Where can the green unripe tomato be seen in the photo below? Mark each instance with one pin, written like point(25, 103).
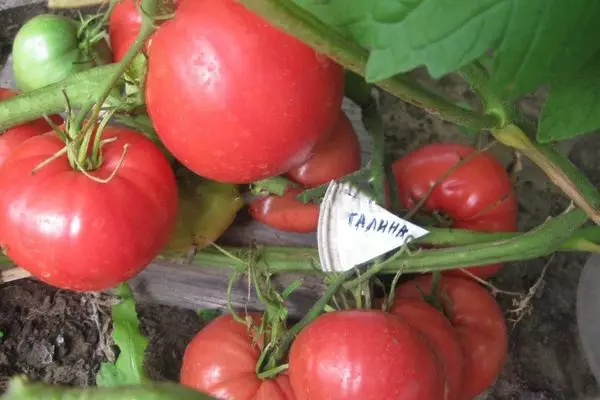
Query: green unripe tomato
point(49, 48)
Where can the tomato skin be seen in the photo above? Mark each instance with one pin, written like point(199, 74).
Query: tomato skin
point(479, 195)
point(335, 156)
point(367, 355)
point(221, 361)
point(125, 23)
point(244, 102)
point(206, 210)
point(12, 138)
point(46, 50)
point(478, 321)
point(75, 233)
point(440, 335)
point(286, 213)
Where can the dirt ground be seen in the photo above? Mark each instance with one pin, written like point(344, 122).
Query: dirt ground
point(59, 337)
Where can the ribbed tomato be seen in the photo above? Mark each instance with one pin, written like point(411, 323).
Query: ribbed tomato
point(479, 324)
point(478, 195)
point(221, 361)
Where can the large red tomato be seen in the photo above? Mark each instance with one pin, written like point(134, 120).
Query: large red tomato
point(366, 355)
point(235, 99)
point(478, 321)
point(80, 234)
point(221, 361)
point(478, 195)
point(336, 155)
point(12, 138)
point(441, 336)
point(125, 23)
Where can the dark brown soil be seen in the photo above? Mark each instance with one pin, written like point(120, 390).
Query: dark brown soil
point(58, 336)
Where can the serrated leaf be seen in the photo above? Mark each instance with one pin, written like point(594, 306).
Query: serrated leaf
point(573, 107)
point(443, 35)
point(543, 41)
point(129, 366)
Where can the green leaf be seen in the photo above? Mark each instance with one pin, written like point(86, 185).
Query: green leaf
point(543, 41)
point(129, 367)
point(208, 314)
point(573, 107)
point(443, 35)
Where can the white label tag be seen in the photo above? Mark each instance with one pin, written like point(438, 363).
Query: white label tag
point(353, 229)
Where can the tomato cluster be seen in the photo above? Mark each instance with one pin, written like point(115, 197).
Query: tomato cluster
point(236, 100)
point(414, 351)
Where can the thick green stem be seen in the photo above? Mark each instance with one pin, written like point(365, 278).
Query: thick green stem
point(374, 125)
point(18, 390)
point(147, 28)
point(299, 23)
point(79, 89)
point(563, 174)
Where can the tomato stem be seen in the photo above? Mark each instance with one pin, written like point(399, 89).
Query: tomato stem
point(274, 185)
point(306, 27)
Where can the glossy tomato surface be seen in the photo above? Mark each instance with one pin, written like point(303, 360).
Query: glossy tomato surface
point(76, 233)
point(235, 99)
point(48, 49)
point(478, 195)
point(479, 324)
point(336, 155)
point(125, 23)
point(12, 138)
point(221, 361)
point(367, 355)
point(441, 337)
point(286, 213)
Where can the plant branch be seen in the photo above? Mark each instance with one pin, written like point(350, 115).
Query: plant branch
point(19, 390)
point(79, 89)
point(306, 27)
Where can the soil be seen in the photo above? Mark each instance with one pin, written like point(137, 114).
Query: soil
point(60, 337)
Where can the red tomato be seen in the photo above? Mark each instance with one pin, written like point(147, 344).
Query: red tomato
point(221, 361)
point(441, 336)
point(235, 99)
point(12, 138)
point(478, 321)
point(76, 233)
point(125, 23)
point(366, 355)
point(337, 155)
point(478, 195)
point(286, 213)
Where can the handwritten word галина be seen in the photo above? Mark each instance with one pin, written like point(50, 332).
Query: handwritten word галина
point(372, 224)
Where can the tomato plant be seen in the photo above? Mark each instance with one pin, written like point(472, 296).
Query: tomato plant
point(479, 324)
point(77, 233)
point(12, 138)
point(206, 210)
point(334, 156)
point(238, 116)
point(363, 355)
point(221, 361)
point(477, 195)
point(50, 48)
point(441, 337)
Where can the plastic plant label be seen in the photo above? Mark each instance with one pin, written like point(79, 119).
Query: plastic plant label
point(353, 229)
